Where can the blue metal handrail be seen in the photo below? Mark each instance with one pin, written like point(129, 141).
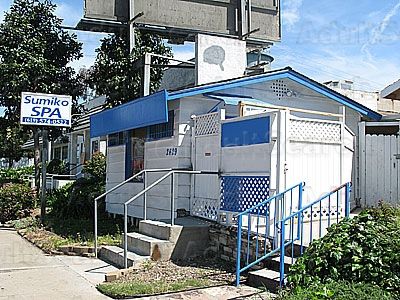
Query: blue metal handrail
point(279, 211)
point(299, 216)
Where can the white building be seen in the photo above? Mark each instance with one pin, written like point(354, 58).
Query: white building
point(272, 130)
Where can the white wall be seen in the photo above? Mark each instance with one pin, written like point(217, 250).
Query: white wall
point(156, 156)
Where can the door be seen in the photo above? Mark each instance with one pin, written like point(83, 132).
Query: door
point(381, 169)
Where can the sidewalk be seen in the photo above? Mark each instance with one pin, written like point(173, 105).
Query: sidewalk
point(27, 273)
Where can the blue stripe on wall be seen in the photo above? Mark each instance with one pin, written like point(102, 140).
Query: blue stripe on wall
point(246, 132)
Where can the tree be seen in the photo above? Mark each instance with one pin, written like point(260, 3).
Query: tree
point(12, 138)
point(114, 73)
point(35, 53)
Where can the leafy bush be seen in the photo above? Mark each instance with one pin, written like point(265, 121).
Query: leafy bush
point(16, 201)
point(363, 249)
point(96, 167)
point(338, 291)
point(76, 200)
point(57, 166)
point(15, 174)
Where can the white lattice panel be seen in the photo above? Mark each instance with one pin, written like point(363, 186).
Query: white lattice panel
point(207, 124)
point(314, 131)
point(205, 208)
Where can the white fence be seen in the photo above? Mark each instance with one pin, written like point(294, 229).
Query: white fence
point(379, 170)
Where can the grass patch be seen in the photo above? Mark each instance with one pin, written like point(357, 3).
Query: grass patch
point(69, 232)
point(137, 288)
point(167, 276)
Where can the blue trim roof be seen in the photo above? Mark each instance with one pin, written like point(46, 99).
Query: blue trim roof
point(274, 75)
point(153, 109)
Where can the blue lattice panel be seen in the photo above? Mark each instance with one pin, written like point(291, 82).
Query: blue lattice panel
point(239, 193)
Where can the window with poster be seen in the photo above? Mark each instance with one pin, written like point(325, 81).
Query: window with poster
point(135, 152)
point(95, 146)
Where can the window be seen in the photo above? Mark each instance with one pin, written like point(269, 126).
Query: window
point(57, 153)
point(116, 139)
point(95, 146)
point(161, 131)
point(135, 152)
point(137, 155)
point(64, 153)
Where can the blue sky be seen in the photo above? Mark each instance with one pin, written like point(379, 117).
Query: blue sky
point(325, 40)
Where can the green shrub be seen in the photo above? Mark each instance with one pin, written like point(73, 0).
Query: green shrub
point(76, 200)
point(57, 166)
point(96, 167)
point(15, 174)
point(363, 249)
point(338, 291)
point(16, 201)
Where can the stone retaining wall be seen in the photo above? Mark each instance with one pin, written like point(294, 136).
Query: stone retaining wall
point(223, 243)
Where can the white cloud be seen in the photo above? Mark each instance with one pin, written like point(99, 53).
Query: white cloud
point(325, 64)
point(291, 12)
point(183, 52)
point(378, 32)
point(70, 14)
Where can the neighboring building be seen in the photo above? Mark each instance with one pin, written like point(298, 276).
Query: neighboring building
point(390, 98)
point(346, 87)
point(81, 146)
point(386, 102)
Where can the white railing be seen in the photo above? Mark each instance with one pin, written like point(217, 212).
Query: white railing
point(143, 172)
point(171, 173)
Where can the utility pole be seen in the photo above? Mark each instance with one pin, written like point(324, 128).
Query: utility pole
point(45, 149)
point(36, 143)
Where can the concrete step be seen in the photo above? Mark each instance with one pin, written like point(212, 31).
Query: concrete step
point(115, 256)
point(296, 249)
point(264, 278)
point(275, 262)
point(146, 245)
point(160, 230)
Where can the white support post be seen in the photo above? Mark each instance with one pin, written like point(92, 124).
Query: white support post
point(281, 171)
point(342, 111)
point(361, 163)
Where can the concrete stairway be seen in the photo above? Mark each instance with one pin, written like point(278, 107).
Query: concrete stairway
point(269, 277)
point(160, 241)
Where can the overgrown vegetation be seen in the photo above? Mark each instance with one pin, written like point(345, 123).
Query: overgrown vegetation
point(136, 288)
point(360, 250)
point(16, 201)
point(340, 290)
point(72, 232)
point(153, 277)
point(76, 200)
point(15, 174)
point(57, 166)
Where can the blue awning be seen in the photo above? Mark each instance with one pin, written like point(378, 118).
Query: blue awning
point(139, 113)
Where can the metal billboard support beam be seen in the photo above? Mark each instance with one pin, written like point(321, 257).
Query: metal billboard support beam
point(146, 74)
point(131, 26)
point(242, 18)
